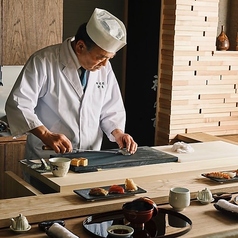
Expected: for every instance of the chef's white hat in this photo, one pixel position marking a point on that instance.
(107, 31)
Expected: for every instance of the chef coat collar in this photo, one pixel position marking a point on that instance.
(72, 53)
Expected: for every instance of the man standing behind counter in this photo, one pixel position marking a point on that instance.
(51, 104)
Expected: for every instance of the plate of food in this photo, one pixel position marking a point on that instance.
(129, 188)
(222, 176)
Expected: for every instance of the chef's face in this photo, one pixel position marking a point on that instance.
(94, 58)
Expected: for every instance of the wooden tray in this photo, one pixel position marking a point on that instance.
(166, 223)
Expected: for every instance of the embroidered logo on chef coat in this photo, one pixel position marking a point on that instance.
(100, 84)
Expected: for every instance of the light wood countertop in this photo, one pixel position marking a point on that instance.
(207, 222)
(156, 179)
(206, 156)
(67, 204)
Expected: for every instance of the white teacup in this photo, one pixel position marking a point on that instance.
(59, 166)
(179, 198)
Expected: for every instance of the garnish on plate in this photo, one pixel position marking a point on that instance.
(98, 192)
(116, 189)
(221, 175)
(130, 185)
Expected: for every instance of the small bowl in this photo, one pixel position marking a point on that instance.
(120, 231)
(59, 166)
(139, 211)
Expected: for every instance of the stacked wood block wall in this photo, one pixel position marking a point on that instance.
(197, 89)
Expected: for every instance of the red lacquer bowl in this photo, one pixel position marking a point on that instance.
(139, 211)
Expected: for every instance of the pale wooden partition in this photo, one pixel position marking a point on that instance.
(17, 187)
(197, 89)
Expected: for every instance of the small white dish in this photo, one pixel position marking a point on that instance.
(120, 231)
(205, 201)
(20, 231)
(235, 200)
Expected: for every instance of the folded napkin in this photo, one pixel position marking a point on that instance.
(227, 205)
(58, 231)
(182, 147)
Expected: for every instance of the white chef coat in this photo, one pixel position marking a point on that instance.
(48, 92)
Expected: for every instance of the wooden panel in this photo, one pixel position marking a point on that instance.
(28, 26)
(17, 187)
(15, 151)
(2, 151)
(11, 151)
(191, 69)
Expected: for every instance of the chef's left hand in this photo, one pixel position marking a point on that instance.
(125, 140)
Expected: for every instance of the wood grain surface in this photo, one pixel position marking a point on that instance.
(29, 26)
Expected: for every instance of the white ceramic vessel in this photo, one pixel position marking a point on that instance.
(205, 196)
(121, 231)
(20, 224)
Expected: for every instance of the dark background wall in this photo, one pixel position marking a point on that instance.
(136, 65)
(77, 12)
(142, 68)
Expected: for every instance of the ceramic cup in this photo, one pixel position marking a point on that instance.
(59, 166)
(179, 198)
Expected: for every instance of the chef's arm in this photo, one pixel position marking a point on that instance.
(124, 140)
(58, 142)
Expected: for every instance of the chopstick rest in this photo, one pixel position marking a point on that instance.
(227, 205)
(58, 231)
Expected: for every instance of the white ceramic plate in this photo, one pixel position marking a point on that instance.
(205, 202)
(20, 231)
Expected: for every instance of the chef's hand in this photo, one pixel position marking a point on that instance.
(124, 140)
(57, 142)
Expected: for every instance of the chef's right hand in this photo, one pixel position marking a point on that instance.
(57, 142)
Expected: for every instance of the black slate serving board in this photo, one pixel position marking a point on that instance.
(103, 160)
(84, 193)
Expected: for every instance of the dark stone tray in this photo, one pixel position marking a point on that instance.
(103, 160)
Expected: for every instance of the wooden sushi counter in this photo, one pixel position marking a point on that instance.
(156, 179)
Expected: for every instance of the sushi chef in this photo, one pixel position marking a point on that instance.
(67, 95)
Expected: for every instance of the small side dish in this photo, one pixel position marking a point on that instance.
(130, 185)
(111, 191)
(98, 192)
(116, 189)
(222, 176)
(79, 162)
(120, 231)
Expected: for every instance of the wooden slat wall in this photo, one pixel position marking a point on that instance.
(197, 89)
